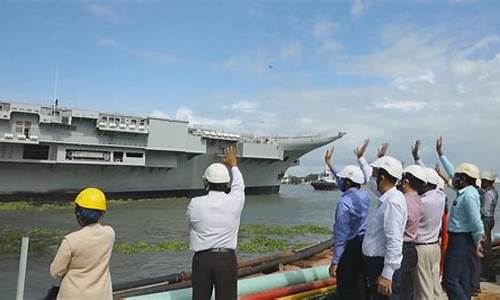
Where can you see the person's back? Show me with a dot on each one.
(86, 275)
(215, 218)
(83, 258)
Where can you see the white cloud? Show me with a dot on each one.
(404, 83)
(324, 30)
(403, 105)
(186, 114)
(358, 7)
(102, 10)
(155, 57)
(290, 51)
(242, 106)
(159, 114)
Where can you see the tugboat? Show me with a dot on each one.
(325, 181)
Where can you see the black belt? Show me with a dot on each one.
(225, 250)
(431, 243)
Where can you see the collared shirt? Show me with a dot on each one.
(465, 211)
(214, 219)
(433, 204)
(384, 231)
(414, 207)
(489, 199)
(350, 219)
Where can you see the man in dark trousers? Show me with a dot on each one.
(465, 228)
(214, 221)
(489, 199)
(349, 230)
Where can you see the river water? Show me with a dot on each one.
(155, 221)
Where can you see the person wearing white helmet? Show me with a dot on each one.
(427, 282)
(489, 199)
(214, 221)
(349, 230)
(465, 229)
(383, 242)
(412, 185)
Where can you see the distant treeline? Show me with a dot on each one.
(300, 180)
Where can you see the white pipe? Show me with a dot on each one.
(22, 269)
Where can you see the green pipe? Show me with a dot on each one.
(252, 285)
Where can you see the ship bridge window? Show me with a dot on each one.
(118, 156)
(87, 155)
(23, 128)
(40, 152)
(135, 154)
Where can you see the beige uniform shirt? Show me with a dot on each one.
(82, 261)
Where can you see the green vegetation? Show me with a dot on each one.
(259, 239)
(40, 238)
(141, 246)
(9, 206)
(262, 244)
(282, 230)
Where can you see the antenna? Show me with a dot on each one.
(56, 101)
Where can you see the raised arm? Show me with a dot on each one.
(414, 151)
(237, 183)
(328, 162)
(447, 165)
(363, 164)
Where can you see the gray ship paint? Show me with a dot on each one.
(50, 153)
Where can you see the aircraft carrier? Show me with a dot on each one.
(50, 153)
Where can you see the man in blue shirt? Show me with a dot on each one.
(349, 229)
(465, 228)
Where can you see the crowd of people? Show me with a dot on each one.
(412, 244)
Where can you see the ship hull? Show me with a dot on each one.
(56, 182)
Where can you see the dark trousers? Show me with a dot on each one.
(458, 264)
(487, 262)
(476, 273)
(217, 269)
(350, 272)
(373, 269)
(408, 271)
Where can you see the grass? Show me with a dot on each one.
(26, 205)
(259, 239)
(141, 247)
(40, 239)
(282, 230)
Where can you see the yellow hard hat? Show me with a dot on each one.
(468, 169)
(91, 198)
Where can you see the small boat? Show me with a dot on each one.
(325, 182)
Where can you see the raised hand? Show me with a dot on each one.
(230, 156)
(439, 146)
(328, 156)
(360, 151)
(382, 150)
(414, 150)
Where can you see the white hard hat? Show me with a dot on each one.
(440, 183)
(432, 176)
(478, 182)
(352, 172)
(217, 173)
(390, 164)
(468, 169)
(417, 171)
(489, 175)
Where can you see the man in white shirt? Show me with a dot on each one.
(214, 221)
(383, 243)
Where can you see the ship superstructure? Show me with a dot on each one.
(48, 152)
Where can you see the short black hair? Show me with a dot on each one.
(350, 184)
(219, 187)
(416, 184)
(88, 216)
(387, 175)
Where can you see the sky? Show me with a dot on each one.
(392, 71)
